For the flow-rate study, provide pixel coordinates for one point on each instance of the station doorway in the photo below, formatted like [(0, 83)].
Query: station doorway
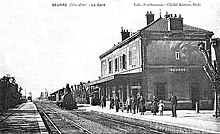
[(195, 94)]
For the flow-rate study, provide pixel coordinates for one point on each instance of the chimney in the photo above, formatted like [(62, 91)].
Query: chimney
[(149, 17), (167, 15), (175, 23), (124, 34)]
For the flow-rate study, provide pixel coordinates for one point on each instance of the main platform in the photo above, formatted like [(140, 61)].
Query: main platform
[(187, 121)]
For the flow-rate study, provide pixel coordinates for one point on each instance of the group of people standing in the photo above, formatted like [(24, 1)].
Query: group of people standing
[(159, 106), (137, 104), (132, 104)]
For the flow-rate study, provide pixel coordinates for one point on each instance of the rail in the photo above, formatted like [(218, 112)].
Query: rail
[(61, 115), (48, 119), (80, 127), (128, 124)]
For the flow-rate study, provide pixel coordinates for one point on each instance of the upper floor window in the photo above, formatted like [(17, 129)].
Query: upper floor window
[(133, 57), (120, 62), (110, 67), (177, 55), (116, 65), (103, 67), (124, 62)]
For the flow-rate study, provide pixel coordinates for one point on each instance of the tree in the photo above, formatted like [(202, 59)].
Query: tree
[(212, 69), (10, 95)]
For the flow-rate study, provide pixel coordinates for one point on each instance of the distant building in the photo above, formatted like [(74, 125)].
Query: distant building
[(56, 96), (161, 58), (44, 95)]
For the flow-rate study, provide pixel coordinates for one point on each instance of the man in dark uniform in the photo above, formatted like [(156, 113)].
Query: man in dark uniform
[(173, 100), (116, 103)]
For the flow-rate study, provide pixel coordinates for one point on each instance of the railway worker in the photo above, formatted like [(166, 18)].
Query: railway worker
[(133, 104), (128, 104), (111, 103), (173, 100), (102, 101), (116, 103)]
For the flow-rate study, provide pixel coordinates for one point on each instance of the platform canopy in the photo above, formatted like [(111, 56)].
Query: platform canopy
[(116, 77)]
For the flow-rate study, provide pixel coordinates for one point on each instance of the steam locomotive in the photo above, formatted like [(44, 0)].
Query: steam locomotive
[(67, 99)]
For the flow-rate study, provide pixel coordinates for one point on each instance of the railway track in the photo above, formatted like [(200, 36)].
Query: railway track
[(95, 122), (56, 123), (126, 126)]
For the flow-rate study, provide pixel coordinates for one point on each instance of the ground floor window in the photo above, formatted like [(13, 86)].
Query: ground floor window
[(160, 91)]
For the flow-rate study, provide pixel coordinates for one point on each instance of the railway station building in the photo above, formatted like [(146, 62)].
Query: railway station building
[(158, 59)]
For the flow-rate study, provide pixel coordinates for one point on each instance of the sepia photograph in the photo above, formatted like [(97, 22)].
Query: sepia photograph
[(109, 66)]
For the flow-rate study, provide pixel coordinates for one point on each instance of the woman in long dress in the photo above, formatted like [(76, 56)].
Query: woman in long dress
[(142, 107)]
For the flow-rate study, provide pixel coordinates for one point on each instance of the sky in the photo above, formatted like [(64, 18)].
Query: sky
[(46, 47)]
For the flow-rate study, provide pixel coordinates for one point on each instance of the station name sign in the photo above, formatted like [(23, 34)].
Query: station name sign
[(135, 87), (177, 69)]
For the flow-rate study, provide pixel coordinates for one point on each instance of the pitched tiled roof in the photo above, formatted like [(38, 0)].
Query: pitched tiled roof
[(120, 44), (192, 28), (161, 24), (157, 25)]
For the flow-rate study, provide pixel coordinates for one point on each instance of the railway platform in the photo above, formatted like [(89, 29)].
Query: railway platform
[(187, 121), (23, 119)]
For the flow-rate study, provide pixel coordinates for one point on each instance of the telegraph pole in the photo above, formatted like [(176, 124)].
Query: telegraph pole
[(25, 94)]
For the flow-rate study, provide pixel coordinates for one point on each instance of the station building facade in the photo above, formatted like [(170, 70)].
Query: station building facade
[(161, 58)]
